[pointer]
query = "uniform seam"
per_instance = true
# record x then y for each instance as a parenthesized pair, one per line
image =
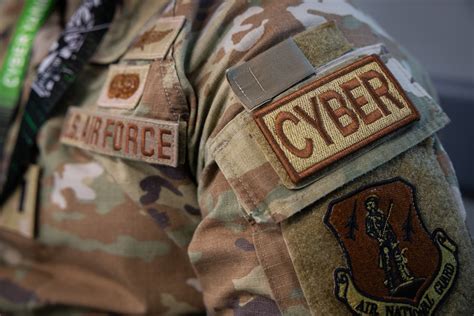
(183, 107)
(163, 84)
(245, 189)
(247, 192)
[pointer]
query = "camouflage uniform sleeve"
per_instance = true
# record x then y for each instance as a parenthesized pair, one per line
(111, 234)
(378, 231)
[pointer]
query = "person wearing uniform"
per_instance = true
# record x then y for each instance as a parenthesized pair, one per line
(216, 157)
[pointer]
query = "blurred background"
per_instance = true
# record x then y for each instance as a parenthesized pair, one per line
(440, 34)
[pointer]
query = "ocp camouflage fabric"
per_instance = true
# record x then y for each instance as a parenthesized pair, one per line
(212, 235)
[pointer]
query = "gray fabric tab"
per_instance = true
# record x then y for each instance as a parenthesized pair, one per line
(270, 73)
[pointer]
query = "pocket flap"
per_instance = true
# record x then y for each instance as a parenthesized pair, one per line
(261, 183)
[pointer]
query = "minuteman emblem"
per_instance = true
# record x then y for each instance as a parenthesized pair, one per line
(394, 265)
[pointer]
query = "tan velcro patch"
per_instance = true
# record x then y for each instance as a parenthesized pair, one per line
(123, 87)
(334, 116)
(153, 141)
(155, 42)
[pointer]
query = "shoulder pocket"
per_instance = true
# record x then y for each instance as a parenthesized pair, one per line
(261, 181)
(376, 232)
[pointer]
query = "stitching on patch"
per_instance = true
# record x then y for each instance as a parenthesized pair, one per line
(255, 77)
(240, 88)
(308, 165)
(100, 133)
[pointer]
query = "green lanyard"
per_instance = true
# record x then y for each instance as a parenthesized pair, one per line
(66, 58)
(17, 56)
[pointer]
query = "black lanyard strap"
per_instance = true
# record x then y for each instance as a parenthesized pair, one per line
(56, 73)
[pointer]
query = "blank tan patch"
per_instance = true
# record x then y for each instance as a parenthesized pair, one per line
(153, 141)
(123, 87)
(155, 41)
(334, 116)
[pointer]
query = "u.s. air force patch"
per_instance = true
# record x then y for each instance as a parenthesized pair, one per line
(125, 136)
(334, 116)
(394, 265)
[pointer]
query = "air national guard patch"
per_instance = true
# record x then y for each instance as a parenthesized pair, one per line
(394, 265)
(335, 116)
